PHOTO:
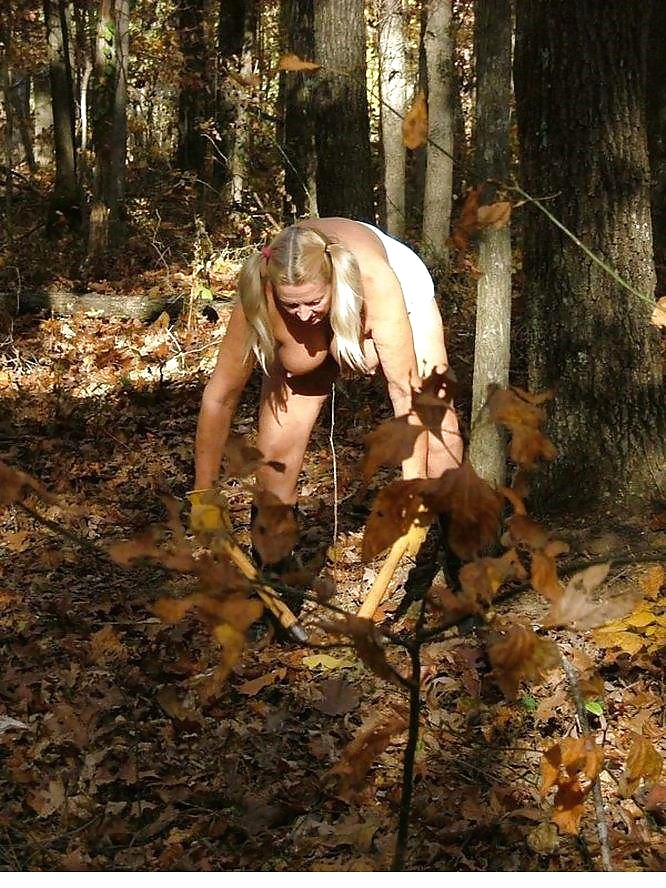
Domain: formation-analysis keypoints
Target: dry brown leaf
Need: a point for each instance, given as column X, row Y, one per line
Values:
column 363, row 634
column 658, row 318
column 432, row 399
column 49, row 799
column 494, row 215
column 520, row 412
column 338, row 697
column 394, row 510
column 415, row 123
column 520, row 655
column 544, row 577
column 371, row 739
column 481, row 579
column 525, row 531
column 473, row 506
column 16, row 485
column 643, row 762
column 466, row 223
column 291, row 62
column 274, row 529
column 106, row 645
column 389, row 444
column 563, row 765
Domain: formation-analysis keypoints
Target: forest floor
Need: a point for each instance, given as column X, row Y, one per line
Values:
column 116, row 755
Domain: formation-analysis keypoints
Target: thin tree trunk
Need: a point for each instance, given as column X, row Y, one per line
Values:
column 109, row 125
column 240, row 155
column 192, row 100
column 492, row 349
column 66, row 186
column 439, row 170
column 392, row 65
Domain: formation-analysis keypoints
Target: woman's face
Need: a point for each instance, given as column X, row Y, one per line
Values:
column 307, row 303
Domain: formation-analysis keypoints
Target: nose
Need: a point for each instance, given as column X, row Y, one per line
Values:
column 304, row 312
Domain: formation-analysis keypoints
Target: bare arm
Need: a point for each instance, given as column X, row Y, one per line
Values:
column 219, row 400
column 392, row 336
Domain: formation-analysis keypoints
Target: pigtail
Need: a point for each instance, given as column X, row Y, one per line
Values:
column 260, row 338
column 346, row 306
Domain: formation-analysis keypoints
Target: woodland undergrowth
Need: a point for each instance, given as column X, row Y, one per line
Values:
column 508, row 715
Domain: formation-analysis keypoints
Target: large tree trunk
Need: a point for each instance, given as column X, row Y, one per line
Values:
column 492, row 350
column 62, row 104
column 439, row 170
column 297, row 136
column 392, row 71
column 342, row 129
column 656, row 121
column 580, row 86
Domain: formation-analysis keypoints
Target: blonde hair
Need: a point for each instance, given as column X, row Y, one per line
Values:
column 296, row 256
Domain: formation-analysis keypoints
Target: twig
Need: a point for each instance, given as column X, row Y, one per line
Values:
column 602, row 823
column 637, row 558
column 410, row 752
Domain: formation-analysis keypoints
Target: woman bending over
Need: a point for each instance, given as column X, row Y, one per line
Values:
column 326, row 294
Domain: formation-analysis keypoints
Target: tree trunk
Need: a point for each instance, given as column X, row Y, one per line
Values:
column 230, row 36
column 439, row 170
column 492, row 351
column 297, row 137
column 192, row 100
column 110, row 126
column 580, row 87
column 392, row 68
column 66, row 186
column 43, row 119
column 240, row 155
column 342, row 129
column 656, row 121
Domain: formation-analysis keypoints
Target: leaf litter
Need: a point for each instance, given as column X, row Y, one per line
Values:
column 134, row 738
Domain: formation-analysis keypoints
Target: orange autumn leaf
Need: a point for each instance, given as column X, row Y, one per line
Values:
column 415, row 123
column 481, row 579
column 291, row 62
column 473, row 505
column 466, row 223
column 545, row 580
column 643, row 762
column 396, row 507
column 432, row 398
column 521, row 655
column 371, row 739
column 564, row 765
column 521, row 414
column 495, row 215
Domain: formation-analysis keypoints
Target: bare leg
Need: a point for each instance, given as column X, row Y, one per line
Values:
column 289, row 409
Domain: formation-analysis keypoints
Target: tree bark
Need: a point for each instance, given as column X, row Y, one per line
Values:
column 656, row 121
column 240, row 155
column 110, row 124
column 297, row 125
column 393, row 86
column 580, row 78
column 439, row 169
column 492, row 348
column 342, row 130
column 66, row 187
column 193, row 96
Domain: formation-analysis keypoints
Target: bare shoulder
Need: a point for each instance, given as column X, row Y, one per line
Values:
column 357, row 237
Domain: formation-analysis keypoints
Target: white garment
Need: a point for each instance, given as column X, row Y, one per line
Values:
column 418, row 291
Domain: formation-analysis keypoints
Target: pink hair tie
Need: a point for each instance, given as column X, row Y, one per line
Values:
column 266, row 252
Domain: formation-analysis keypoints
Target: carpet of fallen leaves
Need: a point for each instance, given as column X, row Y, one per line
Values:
column 111, row 758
